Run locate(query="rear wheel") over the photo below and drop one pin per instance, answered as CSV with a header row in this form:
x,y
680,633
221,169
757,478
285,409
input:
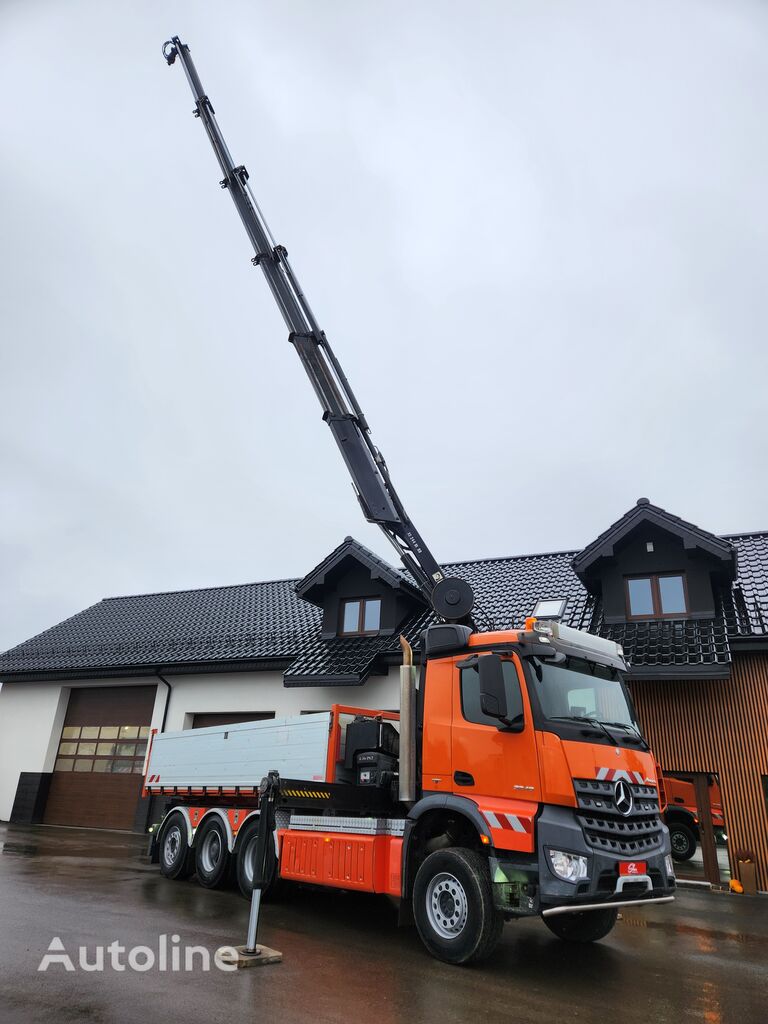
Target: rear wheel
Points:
x,y
211,854
683,841
453,907
245,860
175,854
586,926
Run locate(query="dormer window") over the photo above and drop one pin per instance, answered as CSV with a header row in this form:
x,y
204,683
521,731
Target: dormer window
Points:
x,y
360,617
656,597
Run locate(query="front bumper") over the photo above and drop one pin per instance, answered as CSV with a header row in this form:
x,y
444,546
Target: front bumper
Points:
x,y
534,888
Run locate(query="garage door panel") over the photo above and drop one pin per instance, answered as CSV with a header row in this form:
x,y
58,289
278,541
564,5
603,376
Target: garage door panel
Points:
x,y
108,705
97,777
91,801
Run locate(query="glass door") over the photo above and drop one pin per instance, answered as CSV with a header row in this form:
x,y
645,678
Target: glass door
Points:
x,y
698,833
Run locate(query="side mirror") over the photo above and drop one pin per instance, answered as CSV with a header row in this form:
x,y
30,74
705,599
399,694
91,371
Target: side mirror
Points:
x,y
493,696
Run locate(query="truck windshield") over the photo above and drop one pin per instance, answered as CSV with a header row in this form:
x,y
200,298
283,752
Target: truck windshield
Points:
x,y
580,689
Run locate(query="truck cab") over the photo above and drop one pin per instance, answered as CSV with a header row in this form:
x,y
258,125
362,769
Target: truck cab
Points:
x,y
533,735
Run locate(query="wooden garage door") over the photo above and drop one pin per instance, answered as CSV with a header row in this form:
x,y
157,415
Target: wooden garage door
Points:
x,y
203,719
97,774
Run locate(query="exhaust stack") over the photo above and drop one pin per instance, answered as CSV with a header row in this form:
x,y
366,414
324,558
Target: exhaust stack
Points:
x,y
407,788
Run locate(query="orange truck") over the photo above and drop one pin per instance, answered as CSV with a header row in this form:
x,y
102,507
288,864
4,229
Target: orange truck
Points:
x,y
681,814
514,782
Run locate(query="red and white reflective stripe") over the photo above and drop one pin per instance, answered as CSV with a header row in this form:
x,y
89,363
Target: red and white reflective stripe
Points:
x,y
617,774
153,778
508,821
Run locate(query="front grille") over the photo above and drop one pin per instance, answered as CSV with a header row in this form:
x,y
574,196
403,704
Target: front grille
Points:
x,y
605,828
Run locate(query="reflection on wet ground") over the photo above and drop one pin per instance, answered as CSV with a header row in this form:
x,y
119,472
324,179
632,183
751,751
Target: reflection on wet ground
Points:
x,y
702,958
694,868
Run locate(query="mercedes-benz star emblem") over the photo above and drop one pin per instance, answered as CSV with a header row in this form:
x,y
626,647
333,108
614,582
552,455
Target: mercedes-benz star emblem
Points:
x,y
622,794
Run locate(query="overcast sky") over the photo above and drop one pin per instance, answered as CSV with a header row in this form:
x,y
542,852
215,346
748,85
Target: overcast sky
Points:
x,y
535,232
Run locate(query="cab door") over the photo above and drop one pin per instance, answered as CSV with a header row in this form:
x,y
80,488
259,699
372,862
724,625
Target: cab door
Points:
x,y
486,760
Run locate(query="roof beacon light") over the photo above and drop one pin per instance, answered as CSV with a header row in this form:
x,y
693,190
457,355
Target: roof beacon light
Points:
x,y
544,628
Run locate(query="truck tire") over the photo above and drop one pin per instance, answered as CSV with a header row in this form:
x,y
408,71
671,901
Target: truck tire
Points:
x,y
175,855
587,926
683,841
211,854
244,856
453,906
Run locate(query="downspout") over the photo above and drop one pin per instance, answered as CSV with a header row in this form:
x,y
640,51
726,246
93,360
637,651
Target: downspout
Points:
x,y
168,692
149,800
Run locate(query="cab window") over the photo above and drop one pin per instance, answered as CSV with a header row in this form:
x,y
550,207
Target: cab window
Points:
x,y
470,695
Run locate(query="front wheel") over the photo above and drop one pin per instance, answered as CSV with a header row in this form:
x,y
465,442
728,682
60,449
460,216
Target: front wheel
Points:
x,y
582,926
453,907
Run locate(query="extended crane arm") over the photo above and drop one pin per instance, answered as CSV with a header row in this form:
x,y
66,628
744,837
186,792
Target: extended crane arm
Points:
x,y
451,598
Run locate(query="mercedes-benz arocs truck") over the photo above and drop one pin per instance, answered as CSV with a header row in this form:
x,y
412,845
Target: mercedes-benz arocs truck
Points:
x,y
514,780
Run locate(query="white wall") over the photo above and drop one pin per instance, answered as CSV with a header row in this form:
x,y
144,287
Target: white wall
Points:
x,y
32,714
31,717
264,691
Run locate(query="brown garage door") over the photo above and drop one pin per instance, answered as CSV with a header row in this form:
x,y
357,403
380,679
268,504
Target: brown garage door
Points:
x,y
97,775
203,719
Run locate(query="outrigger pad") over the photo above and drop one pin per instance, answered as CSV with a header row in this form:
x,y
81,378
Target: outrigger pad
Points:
x,y
243,958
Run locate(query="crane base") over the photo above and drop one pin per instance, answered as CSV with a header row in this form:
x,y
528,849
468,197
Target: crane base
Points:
x,y
243,958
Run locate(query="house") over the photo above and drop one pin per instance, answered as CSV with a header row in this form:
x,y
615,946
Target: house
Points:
x,y
690,608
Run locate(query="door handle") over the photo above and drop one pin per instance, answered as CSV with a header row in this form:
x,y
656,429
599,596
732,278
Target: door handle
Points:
x,y
463,779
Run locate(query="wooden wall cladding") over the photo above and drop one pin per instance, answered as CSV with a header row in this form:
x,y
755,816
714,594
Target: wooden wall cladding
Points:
x,y
718,725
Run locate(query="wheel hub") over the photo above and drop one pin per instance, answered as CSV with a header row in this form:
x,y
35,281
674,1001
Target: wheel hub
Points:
x,y
249,860
210,855
171,845
447,905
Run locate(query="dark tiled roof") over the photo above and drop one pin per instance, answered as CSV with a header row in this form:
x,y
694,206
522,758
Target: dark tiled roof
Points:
x,y
268,624
312,586
218,624
645,512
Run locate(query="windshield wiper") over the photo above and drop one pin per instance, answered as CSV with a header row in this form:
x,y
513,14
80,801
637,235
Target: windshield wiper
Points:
x,y
634,730
595,722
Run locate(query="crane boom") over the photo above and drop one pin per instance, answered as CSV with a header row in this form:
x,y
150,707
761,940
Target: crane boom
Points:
x,y
451,598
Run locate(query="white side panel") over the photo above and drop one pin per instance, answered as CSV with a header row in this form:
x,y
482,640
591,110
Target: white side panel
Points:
x,y
241,755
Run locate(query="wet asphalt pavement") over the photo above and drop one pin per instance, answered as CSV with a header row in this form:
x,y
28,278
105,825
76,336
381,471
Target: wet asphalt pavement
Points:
x,y
704,958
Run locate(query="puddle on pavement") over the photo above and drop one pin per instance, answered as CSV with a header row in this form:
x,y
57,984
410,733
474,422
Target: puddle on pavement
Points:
x,y
19,849
713,934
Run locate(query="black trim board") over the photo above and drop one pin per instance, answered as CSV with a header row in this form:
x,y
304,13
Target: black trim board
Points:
x,y
673,672
171,669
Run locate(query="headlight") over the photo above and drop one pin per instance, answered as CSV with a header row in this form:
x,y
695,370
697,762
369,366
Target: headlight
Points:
x,y
670,866
568,866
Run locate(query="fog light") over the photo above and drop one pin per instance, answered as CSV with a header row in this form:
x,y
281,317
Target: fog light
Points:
x,y
568,866
670,866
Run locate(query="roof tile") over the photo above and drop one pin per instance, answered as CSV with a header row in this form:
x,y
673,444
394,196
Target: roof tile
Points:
x,y
268,622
